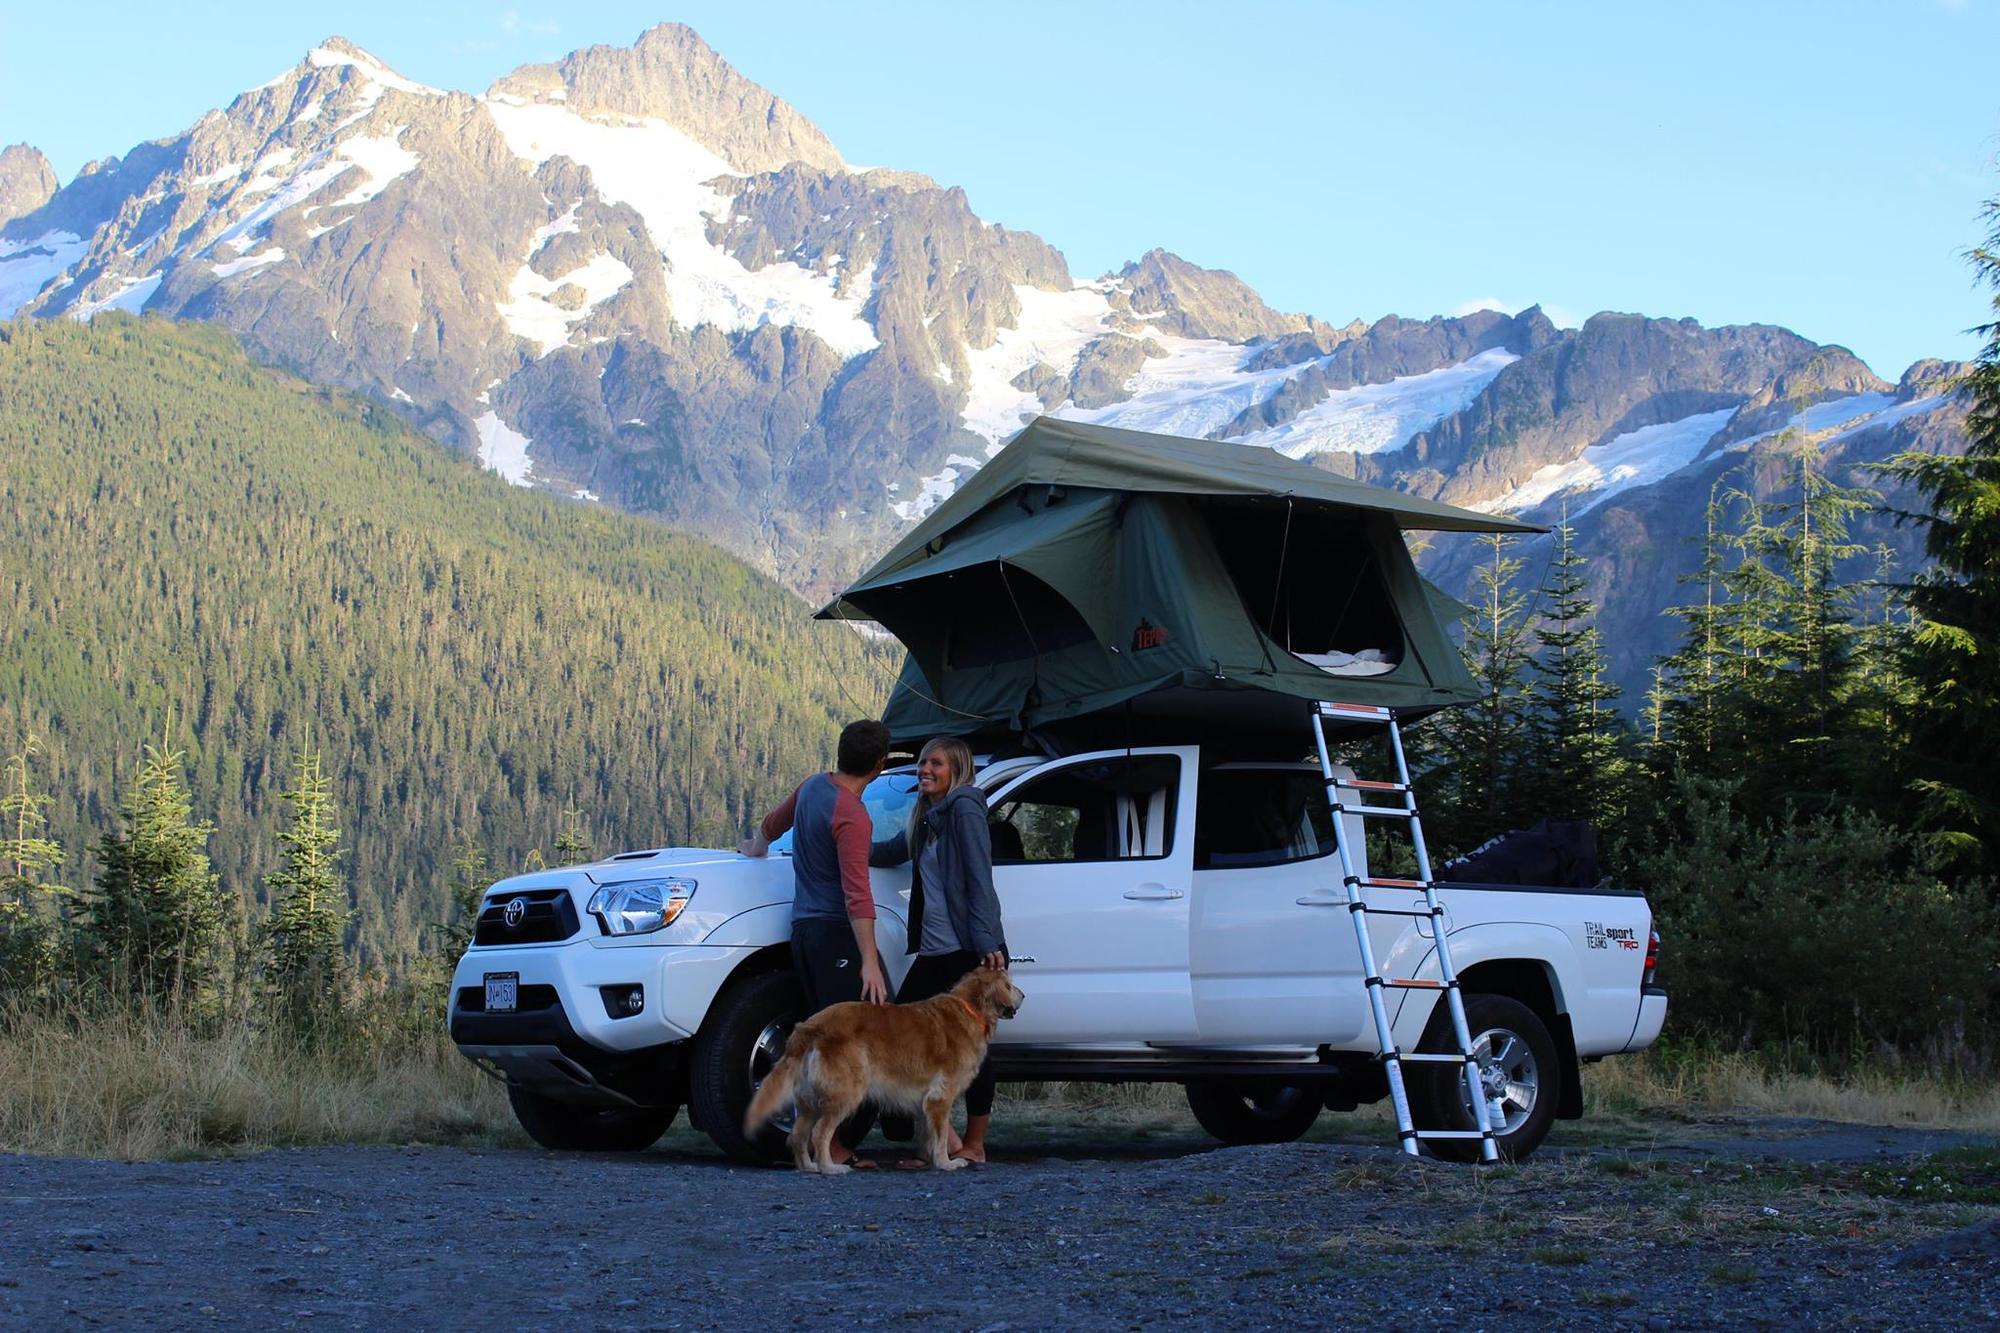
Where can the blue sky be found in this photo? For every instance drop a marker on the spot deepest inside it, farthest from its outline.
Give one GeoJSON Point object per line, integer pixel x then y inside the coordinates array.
{"type": "Point", "coordinates": [1819, 166]}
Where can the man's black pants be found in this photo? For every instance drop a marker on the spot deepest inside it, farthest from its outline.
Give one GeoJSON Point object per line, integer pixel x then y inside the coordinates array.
{"type": "Point", "coordinates": [828, 962]}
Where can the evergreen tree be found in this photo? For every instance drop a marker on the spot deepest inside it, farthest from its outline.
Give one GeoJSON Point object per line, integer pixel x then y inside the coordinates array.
{"type": "Point", "coordinates": [1691, 684]}
{"type": "Point", "coordinates": [573, 843]}
{"type": "Point", "coordinates": [1481, 749]}
{"type": "Point", "coordinates": [1580, 772]}
{"type": "Point", "coordinates": [304, 969]}
{"type": "Point", "coordinates": [27, 937]}
{"type": "Point", "coordinates": [25, 856]}
{"type": "Point", "coordinates": [1954, 653]}
{"type": "Point", "coordinates": [156, 922]}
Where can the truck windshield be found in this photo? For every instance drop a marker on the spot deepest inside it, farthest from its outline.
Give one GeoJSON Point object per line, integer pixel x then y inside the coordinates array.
{"type": "Point", "coordinates": [887, 799]}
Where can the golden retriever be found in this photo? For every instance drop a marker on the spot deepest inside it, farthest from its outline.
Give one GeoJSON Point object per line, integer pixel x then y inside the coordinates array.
{"type": "Point", "coordinates": [911, 1057]}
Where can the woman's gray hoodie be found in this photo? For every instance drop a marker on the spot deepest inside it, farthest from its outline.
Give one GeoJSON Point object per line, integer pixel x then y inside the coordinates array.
{"type": "Point", "coordinates": [965, 861]}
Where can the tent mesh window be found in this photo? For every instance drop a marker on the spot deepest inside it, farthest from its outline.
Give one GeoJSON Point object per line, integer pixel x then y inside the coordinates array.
{"type": "Point", "coordinates": [1001, 614]}
{"type": "Point", "coordinates": [1310, 582]}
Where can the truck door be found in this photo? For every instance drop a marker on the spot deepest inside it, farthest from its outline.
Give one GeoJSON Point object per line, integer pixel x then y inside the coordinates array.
{"type": "Point", "coordinates": [1092, 859]}
{"type": "Point", "coordinates": [1273, 955]}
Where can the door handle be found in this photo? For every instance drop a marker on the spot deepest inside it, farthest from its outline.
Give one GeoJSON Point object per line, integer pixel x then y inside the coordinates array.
{"type": "Point", "coordinates": [1153, 893]}
{"type": "Point", "coordinates": [1321, 900]}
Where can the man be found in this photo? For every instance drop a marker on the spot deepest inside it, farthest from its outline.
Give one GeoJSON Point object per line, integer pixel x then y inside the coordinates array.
{"type": "Point", "coordinates": [833, 909]}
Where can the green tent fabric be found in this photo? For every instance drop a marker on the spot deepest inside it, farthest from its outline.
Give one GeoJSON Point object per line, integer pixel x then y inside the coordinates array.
{"type": "Point", "coordinates": [1088, 573]}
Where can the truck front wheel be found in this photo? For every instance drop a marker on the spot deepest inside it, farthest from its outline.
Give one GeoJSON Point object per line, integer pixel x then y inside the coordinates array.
{"type": "Point", "coordinates": [1518, 1071]}
{"type": "Point", "coordinates": [1249, 1112]}
{"type": "Point", "coordinates": [742, 1039]}
{"type": "Point", "coordinates": [566, 1127]}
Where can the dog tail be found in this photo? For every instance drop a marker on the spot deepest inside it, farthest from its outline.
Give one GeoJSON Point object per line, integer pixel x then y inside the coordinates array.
{"type": "Point", "coordinates": [776, 1090]}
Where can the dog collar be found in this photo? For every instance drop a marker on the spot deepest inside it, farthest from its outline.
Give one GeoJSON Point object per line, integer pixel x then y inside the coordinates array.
{"type": "Point", "coordinates": [985, 1023]}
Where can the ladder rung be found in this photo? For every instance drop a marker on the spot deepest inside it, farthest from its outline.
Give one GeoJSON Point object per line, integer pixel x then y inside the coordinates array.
{"type": "Point", "coordinates": [1378, 811]}
{"type": "Point", "coordinates": [1411, 983]}
{"type": "Point", "coordinates": [1426, 1058]}
{"type": "Point", "coordinates": [1355, 710]}
{"type": "Point", "coordinates": [1450, 1134]}
{"type": "Point", "coordinates": [1370, 784]}
{"type": "Point", "coordinates": [1416, 884]}
{"type": "Point", "coordinates": [1424, 912]}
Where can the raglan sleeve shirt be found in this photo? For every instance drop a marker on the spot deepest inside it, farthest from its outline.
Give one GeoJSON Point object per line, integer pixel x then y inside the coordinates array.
{"type": "Point", "coordinates": [851, 827]}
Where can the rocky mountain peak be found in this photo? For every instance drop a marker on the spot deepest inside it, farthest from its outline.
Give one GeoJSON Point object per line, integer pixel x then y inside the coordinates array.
{"type": "Point", "coordinates": [671, 74]}
{"type": "Point", "coordinates": [1171, 294]}
{"type": "Point", "coordinates": [27, 181]}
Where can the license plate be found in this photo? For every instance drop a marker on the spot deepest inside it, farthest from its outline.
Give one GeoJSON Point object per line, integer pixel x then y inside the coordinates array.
{"type": "Point", "coordinates": [502, 992]}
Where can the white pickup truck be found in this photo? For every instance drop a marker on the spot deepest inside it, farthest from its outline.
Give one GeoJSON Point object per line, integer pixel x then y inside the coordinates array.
{"type": "Point", "coordinates": [1169, 921]}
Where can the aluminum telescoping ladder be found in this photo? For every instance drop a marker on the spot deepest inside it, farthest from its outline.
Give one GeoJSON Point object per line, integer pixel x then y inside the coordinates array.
{"type": "Point", "coordinates": [1359, 910]}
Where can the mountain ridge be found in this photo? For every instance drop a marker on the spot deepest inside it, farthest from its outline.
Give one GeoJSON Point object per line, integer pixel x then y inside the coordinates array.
{"type": "Point", "coordinates": [636, 277]}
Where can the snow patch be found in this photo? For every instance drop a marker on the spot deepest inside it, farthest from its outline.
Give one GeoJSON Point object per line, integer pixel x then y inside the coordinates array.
{"type": "Point", "coordinates": [503, 449]}
{"type": "Point", "coordinates": [244, 265]}
{"type": "Point", "coordinates": [936, 489]}
{"type": "Point", "coordinates": [1196, 389]}
{"type": "Point", "coordinates": [401, 397]}
{"type": "Point", "coordinates": [131, 297]}
{"type": "Point", "coordinates": [662, 173]}
{"type": "Point", "coordinates": [585, 493]}
{"type": "Point", "coordinates": [381, 159]}
{"type": "Point", "coordinates": [220, 174]}
{"type": "Point", "coordinates": [1891, 415]}
{"type": "Point", "coordinates": [1636, 458]}
{"type": "Point", "coordinates": [1372, 417]}
{"type": "Point", "coordinates": [1053, 329]}
{"type": "Point", "coordinates": [1856, 413]}
{"type": "Point", "coordinates": [529, 313]}
{"type": "Point", "coordinates": [28, 266]}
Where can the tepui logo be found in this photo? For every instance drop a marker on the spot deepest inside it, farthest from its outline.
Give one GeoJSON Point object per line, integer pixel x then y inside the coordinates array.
{"type": "Point", "coordinates": [1148, 635]}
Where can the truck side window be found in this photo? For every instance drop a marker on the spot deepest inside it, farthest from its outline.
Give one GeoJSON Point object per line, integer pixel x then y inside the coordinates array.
{"type": "Point", "coordinates": [1115, 810]}
{"type": "Point", "coordinates": [1261, 816]}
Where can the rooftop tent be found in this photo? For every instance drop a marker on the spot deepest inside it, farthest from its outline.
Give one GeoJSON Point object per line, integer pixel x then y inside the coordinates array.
{"type": "Point", "coordinates": [1087, 569]}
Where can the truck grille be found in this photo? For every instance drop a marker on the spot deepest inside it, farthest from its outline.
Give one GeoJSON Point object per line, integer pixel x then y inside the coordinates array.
{"type": "Point", "coordinates": [545, 916]}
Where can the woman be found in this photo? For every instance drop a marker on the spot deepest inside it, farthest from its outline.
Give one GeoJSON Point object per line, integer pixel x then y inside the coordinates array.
{"type": "Point", "coordinates": [954, 913]}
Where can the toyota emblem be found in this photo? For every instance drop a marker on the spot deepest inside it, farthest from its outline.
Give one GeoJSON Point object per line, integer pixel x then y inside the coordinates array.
{"type": "Point", "coordinates": [516, 909]}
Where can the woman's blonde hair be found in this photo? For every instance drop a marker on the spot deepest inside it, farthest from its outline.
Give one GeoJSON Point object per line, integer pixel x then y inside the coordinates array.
{"type": "Point", "coordinates": [957, 763]}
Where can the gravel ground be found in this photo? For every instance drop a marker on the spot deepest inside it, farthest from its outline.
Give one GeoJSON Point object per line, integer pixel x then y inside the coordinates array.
{"type": "Point", "coordinates": [1779, 1222]}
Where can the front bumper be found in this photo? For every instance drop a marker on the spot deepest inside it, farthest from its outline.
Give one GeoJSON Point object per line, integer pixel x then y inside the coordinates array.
{"type": "Point", "coordinates": [539, 1050]}
{"type": "Point", "coordinates": [680, 982]}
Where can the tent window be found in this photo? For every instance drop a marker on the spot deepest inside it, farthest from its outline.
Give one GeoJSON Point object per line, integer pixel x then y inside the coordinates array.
{"type": "Point", "coordinates": [986, 626]}
{"type": "Point", "coordinates": [1317, 591]}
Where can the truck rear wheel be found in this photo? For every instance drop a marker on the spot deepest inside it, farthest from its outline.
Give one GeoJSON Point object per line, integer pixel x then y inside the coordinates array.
{"type": "Point", "coordinates": [742, 1039]}
{"type": "Point", "coordinates": [1251, 1112]}
{"type": "Point", "coordinates": [566, 1127]}
{"type": "Point", "coordinates": [1518, 1069]}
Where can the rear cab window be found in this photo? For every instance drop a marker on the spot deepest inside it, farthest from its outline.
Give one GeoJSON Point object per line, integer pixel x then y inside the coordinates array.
{"type": "Point", "coordinates": [1261, 815]}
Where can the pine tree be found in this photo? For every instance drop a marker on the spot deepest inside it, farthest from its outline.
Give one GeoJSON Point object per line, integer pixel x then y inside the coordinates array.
{"type": "Point", "coordinates": [156, 922]}
{"type": "Point", "coordinates": [1954, 652]}
{"type": "Point", "coordinates": [1580, 768]}
{"type": "Point", "coordinates": [304, 968]}
{"type": "Point", "coordinates": [573, 843]}
{"type": "Point", "coordinates": [25, 855]}
{"type": "Point", "coordinates": [1691, 683]}
{"type": "Point", "coordinates": [27, 937]}
{"type": "Point", "coordinates": [1482, 747]}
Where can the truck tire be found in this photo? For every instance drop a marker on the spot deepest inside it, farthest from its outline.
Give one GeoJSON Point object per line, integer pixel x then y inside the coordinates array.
{"type": "Point", "coordinates": [743, 1037]}
{"type": "Point", "coordinates": [1518, 1065]}
{"type": "Point", "coordinates": [1253, 1112]}
{"type": "Point", "coordinates": [566, 1127]}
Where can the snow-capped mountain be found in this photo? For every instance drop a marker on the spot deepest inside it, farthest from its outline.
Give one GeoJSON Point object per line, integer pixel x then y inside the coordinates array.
{"type": "Point", "coordinates": [637, 278]}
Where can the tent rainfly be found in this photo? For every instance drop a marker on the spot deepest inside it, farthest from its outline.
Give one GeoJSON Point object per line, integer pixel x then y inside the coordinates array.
{"type": "Point", "coordinates": [1088, 576]}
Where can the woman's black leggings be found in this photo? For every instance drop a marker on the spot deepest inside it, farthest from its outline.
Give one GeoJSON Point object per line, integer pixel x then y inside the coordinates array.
{"type": "Point", "coordinates": [934, 974]}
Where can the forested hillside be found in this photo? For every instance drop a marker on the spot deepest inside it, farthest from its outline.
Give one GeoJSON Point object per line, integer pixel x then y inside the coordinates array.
{"type": "Point", "coordinates": [196, 547]}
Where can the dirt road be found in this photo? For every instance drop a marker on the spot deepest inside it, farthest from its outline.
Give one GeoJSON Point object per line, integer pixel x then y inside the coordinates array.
{"type": "Point", "coordinates": [1771, 1222]}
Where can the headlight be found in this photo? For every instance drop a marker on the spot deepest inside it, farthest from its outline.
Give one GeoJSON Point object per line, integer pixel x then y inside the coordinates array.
{"type": "Point", "coordinates": [640, 905]}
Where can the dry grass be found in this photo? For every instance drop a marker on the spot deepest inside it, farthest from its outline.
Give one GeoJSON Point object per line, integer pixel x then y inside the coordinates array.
{"type": "Point", "coordinates": [137, 1086]}
{"type": "Point", "coordinates": [145, 1086]}
{"type": "Point", "coordinates": [1716, 1083]}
